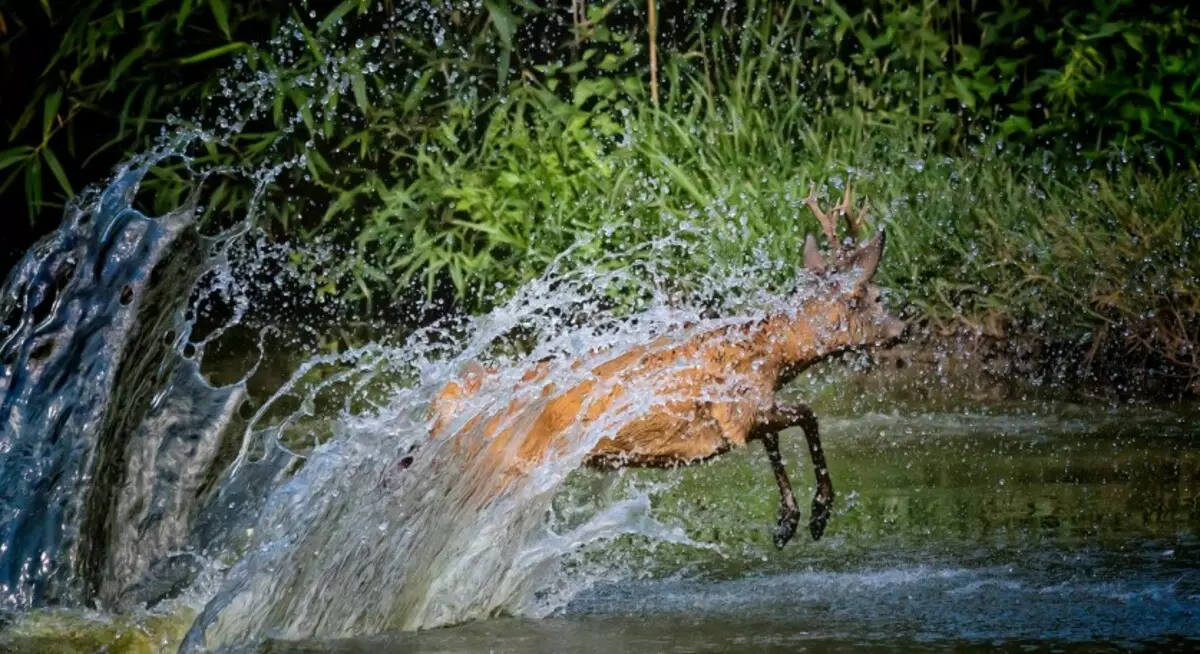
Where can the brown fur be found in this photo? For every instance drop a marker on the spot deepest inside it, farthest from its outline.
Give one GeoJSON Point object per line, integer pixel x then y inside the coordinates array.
{"type": "Point", "coordinates": [745, 363]}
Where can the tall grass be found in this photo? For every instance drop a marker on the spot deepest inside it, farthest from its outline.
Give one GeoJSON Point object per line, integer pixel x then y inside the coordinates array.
{"type": "Point", "coordinates": [1096, 258]}
{"type": "Point", "coordinates": [475, 165]}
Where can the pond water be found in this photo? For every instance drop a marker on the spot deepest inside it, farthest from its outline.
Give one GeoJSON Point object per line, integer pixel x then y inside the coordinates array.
{"type": "Point", "coordinates": [1023, 524]}
{"type": "Point", "coordinates": [1010, 526]}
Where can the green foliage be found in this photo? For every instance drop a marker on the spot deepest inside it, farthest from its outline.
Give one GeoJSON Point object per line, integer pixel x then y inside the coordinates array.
{"type": "Point", "coordinates": [119, 67]}
{"type": "Point", "coordinates": [1124, 72]}
{"type": "Point", "coordinates": [1060, 75]}
{"type": "Point", "coordinates": [469, 163]}
{"type": "Point", "coordinates": [1112, 73]}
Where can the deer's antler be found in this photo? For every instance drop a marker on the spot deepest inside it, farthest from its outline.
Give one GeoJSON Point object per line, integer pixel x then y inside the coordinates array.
{"type": "Point", "coordinates": [828, 220]}
{"type": "Point", "coordinates": [838, 253]}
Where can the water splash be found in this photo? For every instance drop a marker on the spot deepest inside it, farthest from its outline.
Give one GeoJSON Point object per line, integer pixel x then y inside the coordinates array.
{"type": "Point", "coordinates": [386, 529]}
{"type": "Point", "coordinates": [99, 409]}
{"type": "Point", "coordinates": [132, 475]}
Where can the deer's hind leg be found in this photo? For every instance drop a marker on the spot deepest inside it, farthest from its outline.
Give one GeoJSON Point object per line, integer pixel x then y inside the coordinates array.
{"type": "Point", "coordinates": [789, 513]}
{"type": "Point", "coordinates": [767, 429]}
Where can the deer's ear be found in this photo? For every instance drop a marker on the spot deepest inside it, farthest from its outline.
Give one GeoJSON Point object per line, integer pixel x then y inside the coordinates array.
{"type": "Point", "coordinates": [867, 258]}
{"type": "Point", "coordinates": [812, 255]}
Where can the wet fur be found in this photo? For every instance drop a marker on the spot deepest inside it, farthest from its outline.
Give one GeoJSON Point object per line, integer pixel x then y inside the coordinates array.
{"type": "Point", "coordinates": [747, 363]}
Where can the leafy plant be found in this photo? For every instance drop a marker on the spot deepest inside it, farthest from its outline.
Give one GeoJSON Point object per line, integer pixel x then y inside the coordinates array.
{"type": "Point", "coordinates": [458, 160]}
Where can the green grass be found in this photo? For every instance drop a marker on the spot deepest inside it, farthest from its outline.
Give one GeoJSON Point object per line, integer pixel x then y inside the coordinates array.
{"type": "Point", "coordinates": [465, 171]}
{"type": "Point", "coordinates": [1098, 260]}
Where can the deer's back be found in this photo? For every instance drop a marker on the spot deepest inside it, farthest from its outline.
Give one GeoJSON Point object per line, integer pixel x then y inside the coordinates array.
{"type": "Point", "coordinates": [667, 402]}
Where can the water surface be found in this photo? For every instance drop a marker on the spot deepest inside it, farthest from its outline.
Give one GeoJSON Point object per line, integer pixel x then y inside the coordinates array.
{"type": "Point", "coordinates": [1026, 524]}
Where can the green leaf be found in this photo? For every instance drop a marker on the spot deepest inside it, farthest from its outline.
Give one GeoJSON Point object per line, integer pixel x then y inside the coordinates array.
{"type": "Point", "coordinates": [147, 105]}
{"type": "Point", "coordinates": [147, 5]}
{"type": "Point", "coordinates": [57, 169]}
{"type": "Point", "coordinates": [496, 233]}
{"type": "Point", "coordinates": [456, 276]}
{"type": "Point", "coordinates": [413, 98]}
{"type": "Point", "coordinates": [277, 108]}
{"type": "Point", "coordinates": [1107, 30]}
{"type": "Point", "coordinates": [301, 102]}
{"type": "Point", "coordinates": [360, 91]}
{"type": "Point", "coordinates": [26, 117]}
{"type": "Point", "coordinates": [12, 177]}
{"type": "Point", "coordinates": [1134, 41]}
{"type": "Point", "coordinates": [504, 20]}
{"type": "Point", "coordinates": [123, 116]}
{"type": "Point", "coordinates": [213, 53]}
{"type": "Point", "coordinates": [14, 155]}
{"type": "Point", "coordinates": [310, 41]}
{"type": "Point", "coordinates": [337, 14]}
{"type": "Point", "coordinates": [1015, 124]}
{"type": "Point", "coordinates": [319, 163]}
{"type": "Point", "coordinates": [125, 63]}
{"type": "Point", "coordinates": [962, 91]}
{"type": "Point", "coordinates": [220, 14]}
{"type": "Point", "coordinates": [1189, 106]}
{"type": "Point", "coordinates": [50, 111]}
{"type": "Point", "coordinates": [185, 10]}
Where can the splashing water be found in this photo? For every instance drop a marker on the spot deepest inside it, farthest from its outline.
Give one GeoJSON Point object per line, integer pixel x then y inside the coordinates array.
{"type": "Point", "coordinates": [359, 540]}
{"type": "Point", "coordinates": [133, 478]}
{"type": "Point", "coordinates": [385, 529]}
{"type": "Point", "coordinates": [91, 394]}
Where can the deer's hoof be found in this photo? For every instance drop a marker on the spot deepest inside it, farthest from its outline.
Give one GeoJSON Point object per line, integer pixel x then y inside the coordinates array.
{"type": "Point", "coordinates": [786, 527]}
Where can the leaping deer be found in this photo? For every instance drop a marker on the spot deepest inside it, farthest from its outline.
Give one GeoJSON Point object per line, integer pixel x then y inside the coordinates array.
{"type": "Point", "coordinates": [841, 312]}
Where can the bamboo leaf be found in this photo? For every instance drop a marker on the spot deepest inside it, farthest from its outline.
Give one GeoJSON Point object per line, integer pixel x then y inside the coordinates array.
{"type": "Point", "coordinates": [14, 155]}
{"type": "Point", "coordinates": [456, 276]}
{"type": "Point", "coordinates": [123, 116]}
{"type": "Point", "coordinates": [147, 105]}
{"type": "Point", "coordinates": [185, 10]}
{"type": "Point", "coordinates": [310, 41]}
{"type": "Point", "coordinates": [33, 187]}
{"type": "Point", "coordinates": [50, 111]}
{"type": "Point", "coordinates": [220, 14]}
{"type": "Point", "coordinates": [504, 20]}
{"type": "Point", "coordinates": [213, 53]}
{"type": "Point", "coordinates": [120, 137]}
{"type": "Point", "coordinates": [413, 99]}
{"type": "Point", "coordinates": [57, 169]}
{"type": "Point", "coordinates": [360, 91]}
{"type": "Point", "coordinates": [12, 177]}
{"type": "Point", "coordinates": [337, 14]}
{"type": "Point", "coordinates": [496, 233]}
{"type": "Point", "coordinates": [124, 64]}
{"type": "Point", "coordinates": [26, 117]}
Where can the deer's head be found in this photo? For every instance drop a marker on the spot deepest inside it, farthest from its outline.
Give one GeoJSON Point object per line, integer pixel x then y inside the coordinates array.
{"type": "Point", "coordinates": [853, 300]}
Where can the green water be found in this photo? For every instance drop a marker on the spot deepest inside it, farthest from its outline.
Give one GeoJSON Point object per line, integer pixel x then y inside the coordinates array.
{"type": "Point", "coordinates": [1017, 526]}
{"type": "Point", "coordinates": [1010, 526]}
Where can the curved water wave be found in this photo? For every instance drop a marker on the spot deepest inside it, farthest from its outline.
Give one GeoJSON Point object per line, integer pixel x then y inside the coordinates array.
{"type": "Point", "coordinates": [107, 432]}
